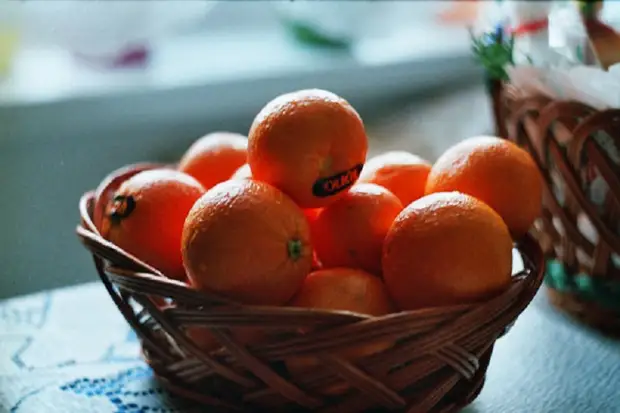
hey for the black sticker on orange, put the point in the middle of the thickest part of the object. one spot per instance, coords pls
(331, 185)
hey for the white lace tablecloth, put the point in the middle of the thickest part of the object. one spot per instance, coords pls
(70, 351)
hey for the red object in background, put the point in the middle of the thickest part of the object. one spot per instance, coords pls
(530, 27)
(133, 56)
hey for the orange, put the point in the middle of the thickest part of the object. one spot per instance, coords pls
(244, 172)
(403, 173)
(343, 289)
(214, 157)
(146, 215)
(350, 231)
(247, 241)
(495, 171)
(311, 144)
(446, 249)
(108, 186)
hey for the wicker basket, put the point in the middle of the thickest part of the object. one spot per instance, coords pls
(578, 237)
(436, 363)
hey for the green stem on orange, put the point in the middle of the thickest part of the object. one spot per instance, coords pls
(295, 248)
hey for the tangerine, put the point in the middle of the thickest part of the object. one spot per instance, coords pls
(350, 231)
(108, 186)
(495, 171)
(146, 215)
(214, 157)
(446, 249)
(402, 173)
(343, 289)
(311, 144)
(247, 241)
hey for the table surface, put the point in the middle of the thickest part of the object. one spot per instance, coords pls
(70, 351)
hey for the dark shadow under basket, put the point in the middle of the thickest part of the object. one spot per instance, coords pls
(575, 148)
(436, 359)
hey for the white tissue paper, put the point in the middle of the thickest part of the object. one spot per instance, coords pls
(589, 85)
(532, 47)
(560, 71)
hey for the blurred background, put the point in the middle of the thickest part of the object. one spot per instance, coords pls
(86, 87)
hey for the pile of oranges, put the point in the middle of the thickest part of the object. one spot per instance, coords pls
(294, 215)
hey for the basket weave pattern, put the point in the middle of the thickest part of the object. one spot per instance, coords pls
(436, 363)
(560, 136)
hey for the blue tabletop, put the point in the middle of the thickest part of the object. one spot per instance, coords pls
(70, 351)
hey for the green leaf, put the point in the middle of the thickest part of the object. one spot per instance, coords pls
(494, 53)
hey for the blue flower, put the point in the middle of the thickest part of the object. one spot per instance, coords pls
(494, 52)
(493, 37)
